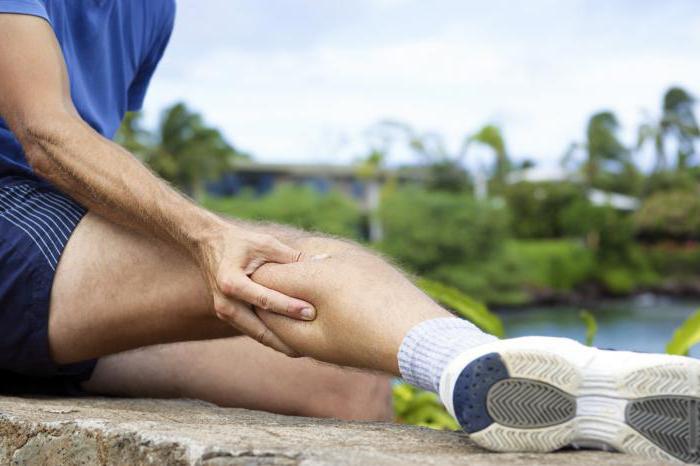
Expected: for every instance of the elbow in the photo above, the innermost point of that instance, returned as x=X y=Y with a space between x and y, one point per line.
x=42 y=140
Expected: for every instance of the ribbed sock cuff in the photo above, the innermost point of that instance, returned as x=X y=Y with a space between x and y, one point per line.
x=430 y=346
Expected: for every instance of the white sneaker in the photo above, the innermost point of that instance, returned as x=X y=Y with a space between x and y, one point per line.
x=539 y=394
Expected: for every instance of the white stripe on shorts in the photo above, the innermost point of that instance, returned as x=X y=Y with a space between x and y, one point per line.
x=48 y=218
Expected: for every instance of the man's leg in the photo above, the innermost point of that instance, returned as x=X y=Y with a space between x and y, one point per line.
x=239 y=372
x=115 y=290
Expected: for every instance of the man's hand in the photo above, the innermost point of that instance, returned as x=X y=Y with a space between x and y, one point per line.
x=227 y=259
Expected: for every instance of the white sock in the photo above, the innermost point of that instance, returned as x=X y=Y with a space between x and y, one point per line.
x=430 y=346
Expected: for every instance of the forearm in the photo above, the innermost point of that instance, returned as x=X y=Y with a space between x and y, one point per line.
x=109 y=181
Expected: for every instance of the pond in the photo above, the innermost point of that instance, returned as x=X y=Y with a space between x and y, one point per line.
x=641 y=323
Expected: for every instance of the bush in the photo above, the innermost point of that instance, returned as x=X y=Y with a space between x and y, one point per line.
x=427 y=230
x=560 y=265
x=497 y=281
x=617 y=280
x=671 y=259
x=670 y=215
x=509 y=277
x=539 y=210
x=302 y=207
x=623 y=274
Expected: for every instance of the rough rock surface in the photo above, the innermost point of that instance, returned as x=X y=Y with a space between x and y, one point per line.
x=133 y=432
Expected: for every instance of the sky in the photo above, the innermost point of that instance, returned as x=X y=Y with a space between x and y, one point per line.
x=302 y=81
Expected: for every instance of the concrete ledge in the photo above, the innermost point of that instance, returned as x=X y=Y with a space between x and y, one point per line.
x=182 y=432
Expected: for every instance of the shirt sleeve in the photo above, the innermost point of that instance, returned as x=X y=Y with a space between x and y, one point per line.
x=24 y=7
x=138 y=87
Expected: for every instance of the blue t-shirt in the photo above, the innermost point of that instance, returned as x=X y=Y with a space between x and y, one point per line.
x=111 y=49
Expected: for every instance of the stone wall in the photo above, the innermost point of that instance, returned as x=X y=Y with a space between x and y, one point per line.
x=183 y=432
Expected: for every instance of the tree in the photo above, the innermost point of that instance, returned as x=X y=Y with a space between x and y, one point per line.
x=492 y=137
x=607 y=162
x=602 y=145
x=426 y=230
x=132 y=136
x=183 y=150
x=446 y=168
x=677 y=123
x=669 y=214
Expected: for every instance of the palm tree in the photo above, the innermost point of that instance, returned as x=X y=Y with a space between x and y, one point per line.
x=447 y=172
x=603 y=146
x=603 y=151
x=183 y=150
x=677 y=123
x=492 y=137
x=132 y=136
x=444 y=169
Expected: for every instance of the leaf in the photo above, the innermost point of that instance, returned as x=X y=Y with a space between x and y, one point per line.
x=421 y=408
x=591 y=326
x=463 y=305
x=686 y=336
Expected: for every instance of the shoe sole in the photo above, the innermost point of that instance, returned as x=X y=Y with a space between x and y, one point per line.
x=539 y=394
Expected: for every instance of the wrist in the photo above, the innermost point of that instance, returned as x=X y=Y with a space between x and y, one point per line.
x=207 y=231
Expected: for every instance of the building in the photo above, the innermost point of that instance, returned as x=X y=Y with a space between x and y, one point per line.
x=261 y=178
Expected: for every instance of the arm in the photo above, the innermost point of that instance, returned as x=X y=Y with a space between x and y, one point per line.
x=36 y=104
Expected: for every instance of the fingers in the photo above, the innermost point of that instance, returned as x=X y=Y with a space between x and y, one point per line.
x=247 y=290
x=244 y=319
x=276 y=251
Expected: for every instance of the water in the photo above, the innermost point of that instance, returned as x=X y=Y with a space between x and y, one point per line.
x=642 y=323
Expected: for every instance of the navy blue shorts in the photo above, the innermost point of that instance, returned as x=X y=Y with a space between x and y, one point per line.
x=36 y=221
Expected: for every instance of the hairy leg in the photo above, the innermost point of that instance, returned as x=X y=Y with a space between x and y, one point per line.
x=239 y=372
x=115 y=290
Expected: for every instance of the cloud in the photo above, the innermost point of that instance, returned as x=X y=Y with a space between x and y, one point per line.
x=537 y=68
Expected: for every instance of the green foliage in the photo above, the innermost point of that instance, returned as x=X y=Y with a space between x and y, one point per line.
x=591 y=326
x=673 y=259
x=466 y=307
x=443 y=168
x=670 y=180
x=603 y=148
x=183 y=150
x=521 y=268
x=426 y=230
x=542 y=210
x=617 y=280
x=448 y=176
x=497 y=281
x=561 y=265
x=673 y=214
x=677 y=124
x=627 y=273
x=421 y=408
x=686 y=336
x=619 y=265
x=300 y=206
x=492 y=137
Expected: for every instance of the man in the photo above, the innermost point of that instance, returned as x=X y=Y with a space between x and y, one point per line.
x=100 y=257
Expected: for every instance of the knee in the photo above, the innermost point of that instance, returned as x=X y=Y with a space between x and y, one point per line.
x=353 y=395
